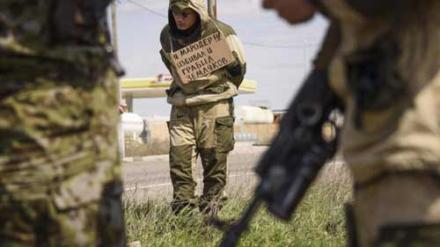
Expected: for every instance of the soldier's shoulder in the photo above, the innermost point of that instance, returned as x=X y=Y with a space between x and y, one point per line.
x=165 y=31
x=165 y=35
x=225 y=28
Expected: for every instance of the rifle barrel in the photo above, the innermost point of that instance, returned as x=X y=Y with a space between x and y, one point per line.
x=233 y=234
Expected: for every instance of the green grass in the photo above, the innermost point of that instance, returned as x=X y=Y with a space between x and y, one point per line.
x=318 y=222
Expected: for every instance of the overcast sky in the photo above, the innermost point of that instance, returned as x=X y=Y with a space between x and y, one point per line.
x=278 y=55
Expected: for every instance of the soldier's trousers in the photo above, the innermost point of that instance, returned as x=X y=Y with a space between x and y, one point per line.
x=60 y=173
x=208 y=130
x=39 y=222
x=401 y=209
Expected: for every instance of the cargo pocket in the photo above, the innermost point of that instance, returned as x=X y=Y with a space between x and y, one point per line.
x=224 y=132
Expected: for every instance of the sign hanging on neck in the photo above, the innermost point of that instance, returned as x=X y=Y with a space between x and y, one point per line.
x=202 y=57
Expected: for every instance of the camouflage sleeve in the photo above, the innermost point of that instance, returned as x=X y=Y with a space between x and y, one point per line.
x=236 y=70
x=165 y=39
x=165 y=60
x=166 y=48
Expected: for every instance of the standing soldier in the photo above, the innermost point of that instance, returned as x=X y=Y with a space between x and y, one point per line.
x=202 y=109
x=60 y=177
x=387 y=70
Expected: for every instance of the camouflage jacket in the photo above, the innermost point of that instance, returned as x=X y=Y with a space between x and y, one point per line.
x=58 y=101
x=218 y=85
x=71 y=32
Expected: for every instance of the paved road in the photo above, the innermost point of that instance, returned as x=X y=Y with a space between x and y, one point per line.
x=150 y=178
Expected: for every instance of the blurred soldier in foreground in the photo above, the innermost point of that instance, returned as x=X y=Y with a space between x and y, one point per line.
x=60 y=179
x=202 y=113
x=386 y=70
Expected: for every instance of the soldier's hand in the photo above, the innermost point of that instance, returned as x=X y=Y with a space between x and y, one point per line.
x=294 y=11
x=122 y=107
x=235 y=69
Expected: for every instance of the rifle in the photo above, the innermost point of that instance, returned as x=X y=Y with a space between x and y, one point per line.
x=295 y=157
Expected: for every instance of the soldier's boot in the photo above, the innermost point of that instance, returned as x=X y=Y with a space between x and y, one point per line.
x=181 y=178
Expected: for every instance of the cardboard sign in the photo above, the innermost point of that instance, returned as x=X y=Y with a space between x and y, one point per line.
x=201 y=58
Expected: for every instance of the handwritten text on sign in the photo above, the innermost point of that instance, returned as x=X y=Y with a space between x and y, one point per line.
x=202 y=57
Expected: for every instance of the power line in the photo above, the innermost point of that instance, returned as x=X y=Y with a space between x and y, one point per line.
x=272 y=46
x=142 y=6
x=147 y=9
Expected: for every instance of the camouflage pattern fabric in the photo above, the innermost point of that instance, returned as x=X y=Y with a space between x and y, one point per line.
x=403 y=135
x=398 y=200
x=40 y=223
x=202 y=113
x=420 y=235
x=60 y=175
x=220 y=84
x=209 y=130
x=58 y=152
x=394 y=153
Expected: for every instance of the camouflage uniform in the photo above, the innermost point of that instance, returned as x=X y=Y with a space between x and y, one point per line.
x=202 y=112
x=59 y=167
x=387 y=71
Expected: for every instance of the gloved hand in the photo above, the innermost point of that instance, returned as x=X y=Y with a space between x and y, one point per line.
x=235 y=68
x=178 y=99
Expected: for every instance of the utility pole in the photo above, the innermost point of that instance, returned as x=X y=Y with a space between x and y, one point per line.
x=212 y=8
x=114 y=30
x=113 y=8
x=114 y=40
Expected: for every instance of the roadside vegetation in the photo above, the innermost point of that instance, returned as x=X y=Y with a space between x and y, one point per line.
x=318 y=221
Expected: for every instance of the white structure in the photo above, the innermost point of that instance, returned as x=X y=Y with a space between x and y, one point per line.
x=132 y=124
x=253 y=115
